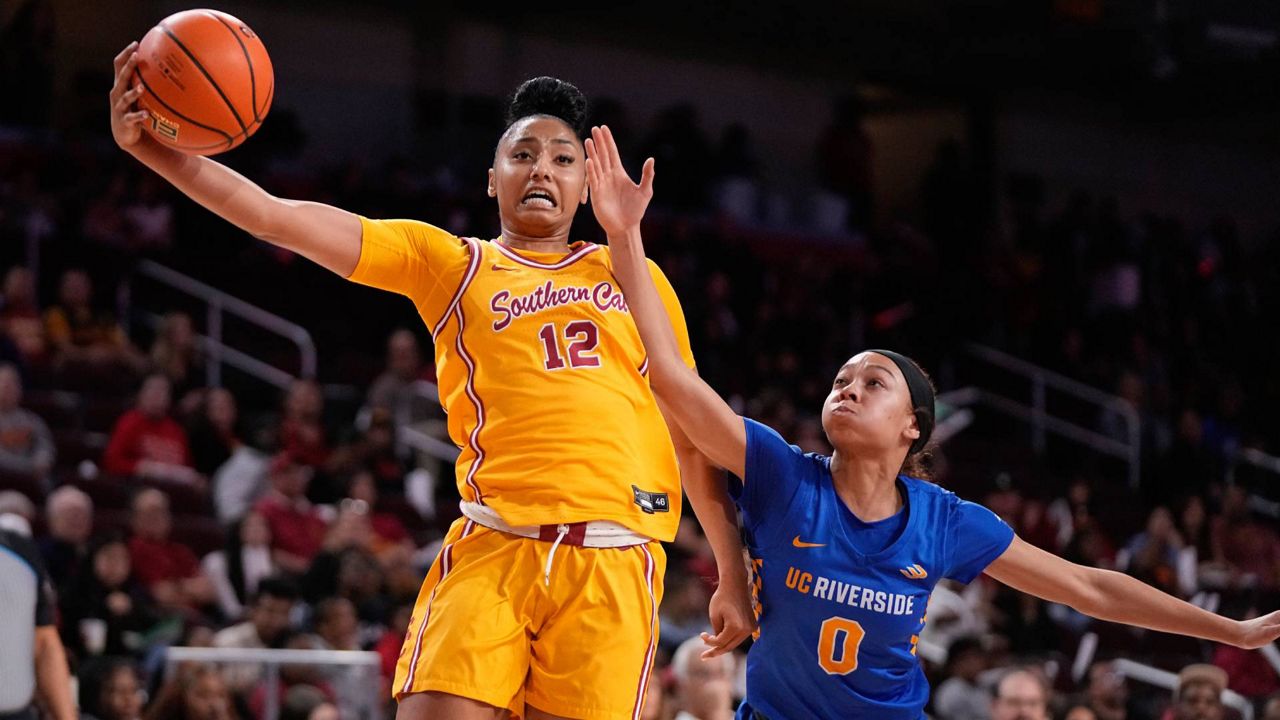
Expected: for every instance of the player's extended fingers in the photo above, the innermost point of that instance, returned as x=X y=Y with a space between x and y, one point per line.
x=136 y=118
x=600 y=152
x=123 y=56
x=123 y=75
x=611 y=147
x=646 y=176
x=128 y=98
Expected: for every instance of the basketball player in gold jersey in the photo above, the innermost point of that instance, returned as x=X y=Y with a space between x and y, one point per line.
x=543 y=601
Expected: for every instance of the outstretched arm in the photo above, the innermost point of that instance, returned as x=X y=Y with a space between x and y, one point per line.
x=322 y=233
x=619 y=205
x=713 y=427
x=1116 y=597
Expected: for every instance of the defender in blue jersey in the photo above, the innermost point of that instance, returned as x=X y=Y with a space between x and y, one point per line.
x=842 y=601
x=848 y=548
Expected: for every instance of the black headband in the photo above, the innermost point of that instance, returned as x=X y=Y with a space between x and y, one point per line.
x=921 y=396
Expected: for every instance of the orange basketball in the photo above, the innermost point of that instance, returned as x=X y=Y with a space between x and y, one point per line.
x=208 y=81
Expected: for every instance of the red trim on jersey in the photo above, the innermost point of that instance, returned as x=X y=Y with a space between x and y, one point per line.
x=653 y=620
x=573 y=257
x=446 y=564
x=474 y=438
x=467 y=277
x=644 y=366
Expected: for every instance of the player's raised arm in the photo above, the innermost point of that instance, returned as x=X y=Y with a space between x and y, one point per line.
x=619 y=204
x=324 y=234
x=1116 y=597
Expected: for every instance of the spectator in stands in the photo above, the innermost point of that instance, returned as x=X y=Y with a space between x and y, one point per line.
x=1080 y=711
x=1188 y=465
x=196 y=691
x=959 y=697
x=361 y=580
x=1021 y=695
x=17 y=507
x=105 y=609
x=387 y=529
x=79 y=333
x=683 y=612
x=1271 y=710
x=297 y=528
x=1194 y=527
x=236 y=571
x=111 y=689
x=394 y=390
x=1152 y=555
x=150 y=215
x=844 y=160
x=302 y=432
x=337 y=629
x=214 y=431
x=267 y=627
x=174 y=354
x=295 y=678
x=1107 y=694
x=1199 y=694
x=307 y=702
x=69 y=518
x=392 y=639
x=703 y=688
x=655 y=702
x=374 y=451
x=1250 y=549
x=147 y=442
x=20 y=315
x=168 y=570
x=26 y=445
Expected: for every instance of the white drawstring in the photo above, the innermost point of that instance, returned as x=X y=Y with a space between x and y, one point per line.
x=561 y=531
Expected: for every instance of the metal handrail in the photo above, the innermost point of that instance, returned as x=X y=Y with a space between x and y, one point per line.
x=364 y=661
x=1255 y=458
x=218 y=303
x=1165 y=679
x=411 y=436
x=1038 y=416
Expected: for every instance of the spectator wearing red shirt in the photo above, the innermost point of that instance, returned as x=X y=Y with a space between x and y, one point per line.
x=147 y=442
x=297 y=529
x=1248 y=548
x=168 y=570
x=388 y=531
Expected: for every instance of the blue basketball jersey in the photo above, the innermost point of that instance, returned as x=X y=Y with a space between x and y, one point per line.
x=839 y=626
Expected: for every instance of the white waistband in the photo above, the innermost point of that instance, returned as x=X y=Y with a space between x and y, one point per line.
x=599 y=533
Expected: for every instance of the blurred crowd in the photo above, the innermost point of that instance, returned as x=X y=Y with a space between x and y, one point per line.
x=170 y=510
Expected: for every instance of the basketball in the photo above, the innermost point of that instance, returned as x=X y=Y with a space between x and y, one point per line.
x=208 y=81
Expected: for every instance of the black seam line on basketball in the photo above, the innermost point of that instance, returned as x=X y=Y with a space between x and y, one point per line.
x=271 y=95
x=206 y=74
x=253 y=81
x=173 y=111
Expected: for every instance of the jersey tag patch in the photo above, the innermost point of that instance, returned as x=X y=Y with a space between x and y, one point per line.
x=651 y=502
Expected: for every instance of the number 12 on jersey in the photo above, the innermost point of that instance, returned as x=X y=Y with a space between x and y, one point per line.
x=580 y=338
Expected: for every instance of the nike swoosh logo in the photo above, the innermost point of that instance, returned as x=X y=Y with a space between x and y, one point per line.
x=503 y=267
x=796 y=541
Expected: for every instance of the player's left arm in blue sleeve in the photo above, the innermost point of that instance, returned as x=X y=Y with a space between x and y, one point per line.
x=975 y=537
x=1116 y=597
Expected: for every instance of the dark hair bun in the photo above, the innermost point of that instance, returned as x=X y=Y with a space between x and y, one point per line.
x=549 y=96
